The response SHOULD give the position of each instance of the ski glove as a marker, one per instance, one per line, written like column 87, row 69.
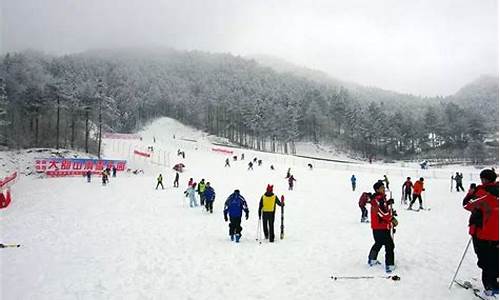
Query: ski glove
column 390, row 201
column 246, row 216
column 225, row 218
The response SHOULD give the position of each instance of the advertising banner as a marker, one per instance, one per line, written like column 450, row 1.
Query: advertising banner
column 76, row 166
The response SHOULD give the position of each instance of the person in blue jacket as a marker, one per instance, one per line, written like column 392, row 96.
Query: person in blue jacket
column 234, row 206
column 353, row 182
column 209, row 195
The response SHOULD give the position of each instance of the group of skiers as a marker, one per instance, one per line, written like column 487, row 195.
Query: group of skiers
column 481, row 201
column 159, row 181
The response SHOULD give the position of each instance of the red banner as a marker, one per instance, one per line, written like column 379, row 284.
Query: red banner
column 76, row 166
column 124, row 136
column 8, row 179
column 222, row 150
column 145, row 154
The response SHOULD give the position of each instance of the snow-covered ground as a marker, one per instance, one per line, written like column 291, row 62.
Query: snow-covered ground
column 130, row 241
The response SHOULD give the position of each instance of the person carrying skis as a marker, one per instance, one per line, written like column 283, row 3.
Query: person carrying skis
column 458, row 180
column 386, row 181
column 365, row 198
column 234, row 206
column 267, row 209
column 176, row 180
column 382, row 224
column 291, row 179
column 353, row 182
column 407, row 186
column 418, row 188
column 191, row 194
column 159, row 182
column 227, row 163
column 201, row 190
column 209, row 196
column 483, row 227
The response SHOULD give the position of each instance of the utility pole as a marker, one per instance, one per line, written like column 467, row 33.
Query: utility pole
column 99, row 90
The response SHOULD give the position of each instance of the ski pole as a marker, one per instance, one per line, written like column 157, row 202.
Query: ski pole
column 460, row 263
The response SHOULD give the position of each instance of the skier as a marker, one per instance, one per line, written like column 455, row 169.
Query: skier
column 267, row 209
column 353, row 182
column 483, row 227
column 209, row 196
column 365, row 198
column 407, row 186
column 234, row 206
column 201, row 190
column 114, row 171
column 104, row 175
column 259, row 162
column 227, row 163
column 310, row 166
column 176, row 180
column 250, row 165
column 235, row 158
column 386, row 180
column 191, row 194
column 255, row 159
column 160, row 182
column 272, row 168
column 418, row 188
column 458, row 180
column 89, row 175
column 382, row 223
column 242, row 156
column 291, row 179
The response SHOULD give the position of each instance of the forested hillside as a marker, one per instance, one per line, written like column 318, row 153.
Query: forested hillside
column 55, row 101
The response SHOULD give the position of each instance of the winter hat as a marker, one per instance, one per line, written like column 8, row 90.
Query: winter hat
column 269, row 188
column 488, row 174
column 377, row 185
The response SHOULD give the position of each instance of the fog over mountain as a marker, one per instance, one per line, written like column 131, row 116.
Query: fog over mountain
column 425, row 47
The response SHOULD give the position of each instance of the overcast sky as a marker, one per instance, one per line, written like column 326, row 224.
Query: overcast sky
column 430, row 47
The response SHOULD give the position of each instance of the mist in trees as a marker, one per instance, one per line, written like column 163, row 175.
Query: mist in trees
column 48, row 101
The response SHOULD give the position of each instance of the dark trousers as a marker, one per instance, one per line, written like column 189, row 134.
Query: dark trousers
column 176, row 183
column 407, row 195
column 353, row 186
column 235, row 225
column 209, row 205
column 487, row 260
column 268, row 225
column 158, row 184
column 460, row 187
column 364, row 213
column 415, row 197
column 202, row 198
column 383, row 238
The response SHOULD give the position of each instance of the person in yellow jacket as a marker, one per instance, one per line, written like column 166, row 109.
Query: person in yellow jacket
column 201, row 191
column 267, row 208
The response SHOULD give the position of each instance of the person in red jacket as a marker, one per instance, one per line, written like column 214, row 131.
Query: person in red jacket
column 483, row 227
column 418, row 188
column 407, row 186
column 365, row 198
column 382, row 225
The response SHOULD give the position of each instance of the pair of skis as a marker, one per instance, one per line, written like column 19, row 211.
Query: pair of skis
column 392, row 277
column 468, row 285
column 10, row 245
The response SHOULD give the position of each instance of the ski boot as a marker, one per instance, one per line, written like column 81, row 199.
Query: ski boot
column 237, row 238
column 232, row 237
column 373, row 262
column 390, row 268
